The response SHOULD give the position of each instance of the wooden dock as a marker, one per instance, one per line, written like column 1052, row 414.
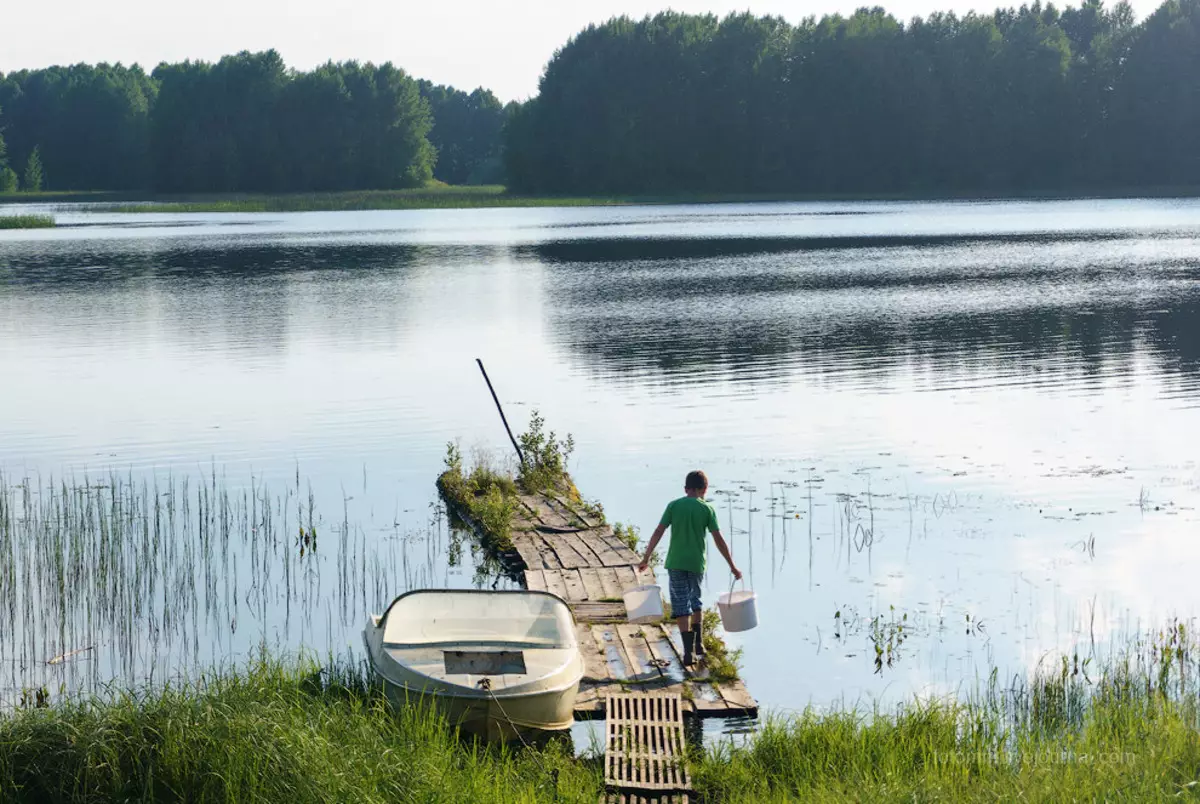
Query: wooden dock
column 566, row 551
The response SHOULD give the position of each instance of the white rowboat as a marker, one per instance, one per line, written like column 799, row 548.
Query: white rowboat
column 499, row 663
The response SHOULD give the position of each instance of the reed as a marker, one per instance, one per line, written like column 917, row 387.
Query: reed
column 27, row 222
column 119, row 580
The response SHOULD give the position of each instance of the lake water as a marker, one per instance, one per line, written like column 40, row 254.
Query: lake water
column 977, row 420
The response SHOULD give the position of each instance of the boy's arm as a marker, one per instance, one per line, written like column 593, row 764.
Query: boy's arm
column 724, row 550
column 655, row 538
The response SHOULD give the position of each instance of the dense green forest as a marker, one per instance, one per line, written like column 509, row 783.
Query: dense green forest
column 1035, row 98
column 246, row 123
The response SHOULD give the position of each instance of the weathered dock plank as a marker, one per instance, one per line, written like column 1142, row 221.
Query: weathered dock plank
column 620, row 657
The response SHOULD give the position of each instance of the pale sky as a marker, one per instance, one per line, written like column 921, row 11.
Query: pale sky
column 467, row 43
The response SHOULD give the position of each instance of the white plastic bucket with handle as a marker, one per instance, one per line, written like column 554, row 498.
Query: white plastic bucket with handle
column 739, row 610
column 644, row 604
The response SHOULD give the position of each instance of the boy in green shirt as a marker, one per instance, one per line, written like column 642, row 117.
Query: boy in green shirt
column 688, row 518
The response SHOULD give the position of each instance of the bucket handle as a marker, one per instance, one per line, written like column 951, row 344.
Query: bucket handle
column 732, row 583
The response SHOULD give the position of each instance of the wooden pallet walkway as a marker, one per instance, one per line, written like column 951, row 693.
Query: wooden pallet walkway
column 644, row 752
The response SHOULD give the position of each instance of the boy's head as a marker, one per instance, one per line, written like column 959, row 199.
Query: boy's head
column 696, row 484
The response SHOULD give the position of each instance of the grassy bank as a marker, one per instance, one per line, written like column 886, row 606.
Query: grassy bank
column 289, row 732
column 26, row 222
column 274, row 733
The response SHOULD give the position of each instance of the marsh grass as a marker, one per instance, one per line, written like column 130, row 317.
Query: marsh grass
column 273, row 732
column 116, row 578
column 27, row 221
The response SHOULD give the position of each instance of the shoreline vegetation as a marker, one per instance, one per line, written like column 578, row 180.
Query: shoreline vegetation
column 27, row 221
column 287, row 728
column 291, row 730
column 497, row 196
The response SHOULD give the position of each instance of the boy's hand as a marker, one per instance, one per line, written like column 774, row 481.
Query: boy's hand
column 645, row 565
column 737, row 573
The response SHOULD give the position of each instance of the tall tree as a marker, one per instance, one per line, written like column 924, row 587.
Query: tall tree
column 33, row 177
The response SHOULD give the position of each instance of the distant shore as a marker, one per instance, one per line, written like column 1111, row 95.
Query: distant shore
column 476, row 197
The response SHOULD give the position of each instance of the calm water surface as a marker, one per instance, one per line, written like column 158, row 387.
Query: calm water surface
column 976, row 419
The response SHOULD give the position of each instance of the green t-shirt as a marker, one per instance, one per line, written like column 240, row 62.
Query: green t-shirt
column 688, row 518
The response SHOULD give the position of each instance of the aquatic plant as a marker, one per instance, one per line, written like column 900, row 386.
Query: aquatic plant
column 27, row 222
column 122, row 579
column 544, row 467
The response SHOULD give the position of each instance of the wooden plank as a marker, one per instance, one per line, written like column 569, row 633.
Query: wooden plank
column 535, row 580
column 612, row 587
column 609, row 645
column 665, row 643
column 567, row 556
column 545, row 511
column 603, row 549
column 575, row 589
column 580, row 546
column 591, row 582
column 643, row 662
column 526, row 548
column 622, row 551
column 738, row 697
column 546, row 555
column 589, row 611
column 627, row 577
column 555, row 584
column 576, row 511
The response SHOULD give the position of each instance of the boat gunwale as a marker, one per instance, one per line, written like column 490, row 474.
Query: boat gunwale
column 460, row 691
column 538, row 592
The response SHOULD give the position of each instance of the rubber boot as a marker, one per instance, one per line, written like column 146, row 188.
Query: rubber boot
column 687, row 648
column 698, row 646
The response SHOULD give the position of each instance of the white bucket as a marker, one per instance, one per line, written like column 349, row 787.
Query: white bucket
column 644, row 604
column 739, row 610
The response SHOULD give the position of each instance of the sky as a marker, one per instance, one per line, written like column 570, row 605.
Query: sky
column 465, row 43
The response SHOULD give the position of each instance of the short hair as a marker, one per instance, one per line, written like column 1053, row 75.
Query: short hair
column 696, row 480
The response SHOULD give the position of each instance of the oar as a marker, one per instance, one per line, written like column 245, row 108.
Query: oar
column 502, row 417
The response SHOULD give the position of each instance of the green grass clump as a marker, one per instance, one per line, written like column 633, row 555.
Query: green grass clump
column 545, row 466
column 487, row 497
column 1133, row 751
column 484, row 496
column 274, row 733
column 723, row 664
column 27, row 222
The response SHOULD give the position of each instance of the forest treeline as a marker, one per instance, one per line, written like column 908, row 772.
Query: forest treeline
column 1035, row 98
column 245, row 123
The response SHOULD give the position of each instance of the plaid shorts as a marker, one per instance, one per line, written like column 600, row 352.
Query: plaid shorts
column 685, row 592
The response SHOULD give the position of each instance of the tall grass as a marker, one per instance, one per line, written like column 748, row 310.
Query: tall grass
column 127, row 579
column 284, row 731
column 1130, row 731
column 27, row 221
column 276, row 732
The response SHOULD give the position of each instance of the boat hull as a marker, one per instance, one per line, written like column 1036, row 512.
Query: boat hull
column 495, row 719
